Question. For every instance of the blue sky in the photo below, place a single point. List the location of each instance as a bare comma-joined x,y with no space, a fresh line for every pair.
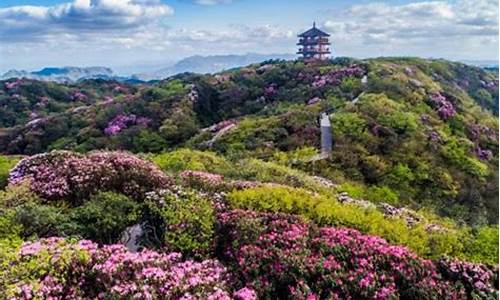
138,35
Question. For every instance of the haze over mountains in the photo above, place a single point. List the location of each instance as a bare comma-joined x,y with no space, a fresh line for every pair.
195,64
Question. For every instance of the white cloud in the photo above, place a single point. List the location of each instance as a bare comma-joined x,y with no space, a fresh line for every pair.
444,28
22,23
422,20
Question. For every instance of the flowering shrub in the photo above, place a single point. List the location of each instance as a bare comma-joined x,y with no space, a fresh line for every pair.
335,77
66,175
123,121
444,107
478,280
270,90
483,154
281,255
55,269
326,211
78,96
202,180
476,131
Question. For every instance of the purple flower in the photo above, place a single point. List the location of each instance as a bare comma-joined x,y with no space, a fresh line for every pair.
483,154
444,107
123,121
78,96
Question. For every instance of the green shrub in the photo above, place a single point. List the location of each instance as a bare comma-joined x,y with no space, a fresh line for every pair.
18,194
382,194
326,211
484,246
38,220
348,124
185,219
104,217
376,194
9,229
186,159
255,169
6,163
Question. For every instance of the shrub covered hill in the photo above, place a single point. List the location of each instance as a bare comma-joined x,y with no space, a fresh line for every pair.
223,190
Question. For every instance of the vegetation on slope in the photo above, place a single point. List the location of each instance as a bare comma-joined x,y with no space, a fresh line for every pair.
405,207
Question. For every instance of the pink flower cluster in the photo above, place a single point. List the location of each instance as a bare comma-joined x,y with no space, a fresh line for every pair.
476,130
313,101
13,84
444,107
120,89
279,255
66,175
78,96
123,121
202,180
479,280
86,271
270,90
483,154
335,77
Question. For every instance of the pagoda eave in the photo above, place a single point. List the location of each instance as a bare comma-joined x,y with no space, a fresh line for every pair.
314,53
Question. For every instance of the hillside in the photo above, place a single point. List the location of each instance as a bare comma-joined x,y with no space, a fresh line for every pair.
420,132
221,193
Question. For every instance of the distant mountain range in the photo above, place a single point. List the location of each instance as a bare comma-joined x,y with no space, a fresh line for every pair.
210,64
63,74
194,64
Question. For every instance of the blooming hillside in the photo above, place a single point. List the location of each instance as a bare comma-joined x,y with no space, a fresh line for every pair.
212,186
65,215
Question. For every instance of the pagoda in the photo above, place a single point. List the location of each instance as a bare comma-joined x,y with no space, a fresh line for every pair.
314,44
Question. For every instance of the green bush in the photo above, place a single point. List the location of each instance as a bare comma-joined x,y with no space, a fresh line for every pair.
255,169
6,163
376,194
484,246
104,217
187,159
9,229
18,194
38,220
326,211
349,124
186,221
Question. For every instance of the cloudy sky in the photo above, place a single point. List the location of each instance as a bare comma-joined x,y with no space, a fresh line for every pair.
135,35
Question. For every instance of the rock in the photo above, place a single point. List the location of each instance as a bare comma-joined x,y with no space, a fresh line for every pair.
130,237
325,182
415,82
346,199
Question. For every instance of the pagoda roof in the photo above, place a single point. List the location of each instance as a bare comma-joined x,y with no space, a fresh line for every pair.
313,32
